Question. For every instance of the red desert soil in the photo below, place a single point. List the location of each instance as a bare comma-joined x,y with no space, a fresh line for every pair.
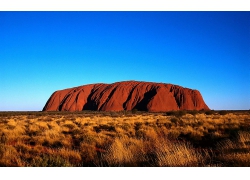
126,95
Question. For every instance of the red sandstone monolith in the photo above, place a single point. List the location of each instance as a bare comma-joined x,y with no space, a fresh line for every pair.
126,95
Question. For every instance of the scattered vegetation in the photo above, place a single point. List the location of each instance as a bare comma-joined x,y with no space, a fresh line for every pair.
126,138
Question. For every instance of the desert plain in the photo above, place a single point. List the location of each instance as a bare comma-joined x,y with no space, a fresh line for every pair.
134,138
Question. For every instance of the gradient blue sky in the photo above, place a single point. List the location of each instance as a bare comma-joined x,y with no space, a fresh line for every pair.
41,52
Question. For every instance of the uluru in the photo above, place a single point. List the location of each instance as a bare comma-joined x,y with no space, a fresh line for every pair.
126,95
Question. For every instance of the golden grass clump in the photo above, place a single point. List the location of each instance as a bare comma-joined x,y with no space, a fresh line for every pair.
9,156
176,154
235,152
125,152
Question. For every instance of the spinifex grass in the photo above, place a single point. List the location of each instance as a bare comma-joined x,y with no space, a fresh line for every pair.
125,139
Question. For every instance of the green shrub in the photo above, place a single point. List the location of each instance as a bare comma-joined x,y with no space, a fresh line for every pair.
178,114
50,161
210,112
104,127
174,120
222,112
193,112
134,111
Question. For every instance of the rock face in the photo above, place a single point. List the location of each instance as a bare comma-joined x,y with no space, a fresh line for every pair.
126,95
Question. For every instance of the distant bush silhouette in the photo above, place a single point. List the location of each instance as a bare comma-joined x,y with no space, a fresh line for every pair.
210,112
134,111
176,113
223,112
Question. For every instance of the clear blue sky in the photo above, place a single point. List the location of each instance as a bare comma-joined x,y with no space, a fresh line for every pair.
41,52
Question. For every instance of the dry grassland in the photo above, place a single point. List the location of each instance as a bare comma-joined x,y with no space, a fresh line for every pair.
31,139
